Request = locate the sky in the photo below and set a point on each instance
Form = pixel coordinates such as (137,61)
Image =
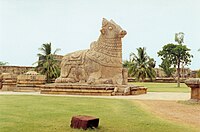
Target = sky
(72,25)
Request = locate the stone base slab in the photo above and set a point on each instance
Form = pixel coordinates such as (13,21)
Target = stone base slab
(86,89)
(194,84)
(8,87)
(26,89)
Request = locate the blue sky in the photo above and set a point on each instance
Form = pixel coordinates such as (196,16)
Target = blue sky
(73,24)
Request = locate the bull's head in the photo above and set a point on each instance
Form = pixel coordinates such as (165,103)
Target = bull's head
(111,30)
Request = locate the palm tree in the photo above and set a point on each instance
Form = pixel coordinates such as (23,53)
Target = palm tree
(3,63)
(47,64)
(167,67)
(141,65)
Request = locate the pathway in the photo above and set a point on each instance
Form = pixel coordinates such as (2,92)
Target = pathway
(148,96)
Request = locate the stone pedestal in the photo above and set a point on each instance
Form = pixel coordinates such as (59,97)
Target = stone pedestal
(87,89)
(30,81)
(84,122)
(194,84)
(97,70)
(8,81)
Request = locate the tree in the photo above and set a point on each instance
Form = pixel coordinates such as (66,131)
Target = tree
(3,63)
(167,67)
(177,54)
(141,65)
(47,64)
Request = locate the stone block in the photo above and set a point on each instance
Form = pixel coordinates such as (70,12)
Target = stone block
(29,81)
(8,81)
(84,122)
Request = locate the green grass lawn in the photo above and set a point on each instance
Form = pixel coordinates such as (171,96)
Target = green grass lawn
(163,87)
(23,113)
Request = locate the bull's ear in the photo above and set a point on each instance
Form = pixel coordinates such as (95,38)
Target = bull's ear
(102,31)
(104,22)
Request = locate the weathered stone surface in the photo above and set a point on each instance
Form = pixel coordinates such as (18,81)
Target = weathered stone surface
(30,81)
(87,89)
(101,64)
(84,122)
(77,89)
(8,81)
(194,84)
(15,69)
(138,90)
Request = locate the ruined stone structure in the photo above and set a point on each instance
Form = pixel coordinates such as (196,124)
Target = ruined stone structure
(30,81)
(15,69)
(184,72)
(98,70)
(10,76)
(101,64)
(194,84)
(8,81)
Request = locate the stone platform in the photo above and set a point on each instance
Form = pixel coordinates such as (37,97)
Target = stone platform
(8,81)
(27,89)
(29,82)
(194,84)
(86,89)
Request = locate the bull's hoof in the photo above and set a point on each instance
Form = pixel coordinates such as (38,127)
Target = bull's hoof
(91,81)
(68,80)
(108,81)
(65,80)
(58,80)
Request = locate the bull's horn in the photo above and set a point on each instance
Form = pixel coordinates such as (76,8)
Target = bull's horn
(104,22)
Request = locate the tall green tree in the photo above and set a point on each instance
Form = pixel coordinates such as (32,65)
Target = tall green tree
(3,63)
(177,54)
(47,64)
(140,65)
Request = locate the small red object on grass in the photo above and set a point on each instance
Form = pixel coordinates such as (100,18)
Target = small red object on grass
(84,122)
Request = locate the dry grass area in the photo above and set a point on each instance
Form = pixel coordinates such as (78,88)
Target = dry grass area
(180,112)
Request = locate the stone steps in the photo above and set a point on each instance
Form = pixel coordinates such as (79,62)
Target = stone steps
(27,89)
(77,89)
(85,89)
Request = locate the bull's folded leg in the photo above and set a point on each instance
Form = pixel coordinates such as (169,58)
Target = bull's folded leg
(68,80)
(94,77)
(65,80)
(58,80)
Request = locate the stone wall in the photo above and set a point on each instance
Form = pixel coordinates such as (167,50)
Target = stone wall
(185,73)
(15,69)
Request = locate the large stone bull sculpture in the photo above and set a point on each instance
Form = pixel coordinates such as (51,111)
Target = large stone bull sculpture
(101,64)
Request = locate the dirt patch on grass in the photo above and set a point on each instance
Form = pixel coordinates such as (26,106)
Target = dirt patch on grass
(174,111)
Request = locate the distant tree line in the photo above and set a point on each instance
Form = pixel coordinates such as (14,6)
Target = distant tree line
(3,63)
(173,56)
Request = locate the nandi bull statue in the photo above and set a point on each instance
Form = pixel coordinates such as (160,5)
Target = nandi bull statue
(101,64)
